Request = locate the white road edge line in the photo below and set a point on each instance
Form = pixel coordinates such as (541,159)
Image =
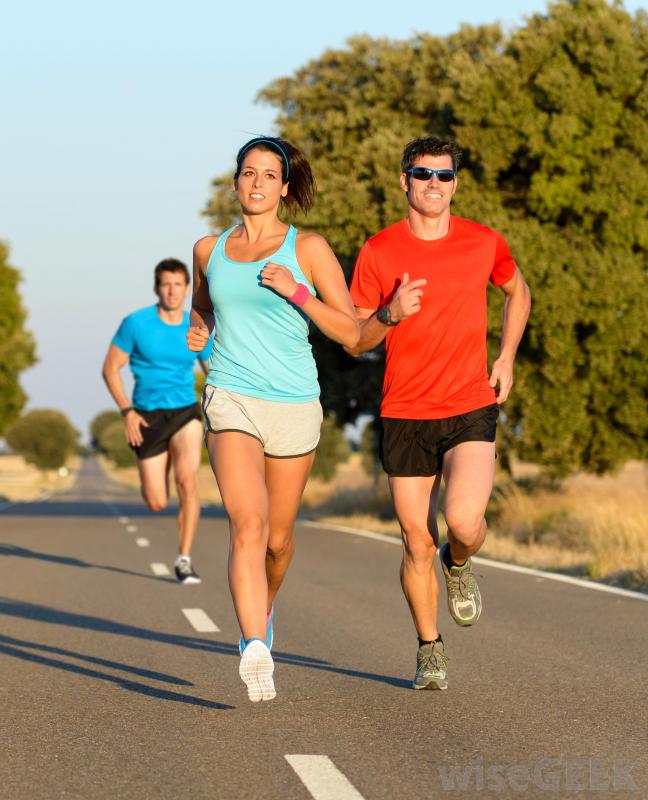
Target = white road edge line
(160,569)
(200,621)
(142,542)
(322,778)
(487,562)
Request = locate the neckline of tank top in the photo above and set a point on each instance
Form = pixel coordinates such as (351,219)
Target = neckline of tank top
(258,261)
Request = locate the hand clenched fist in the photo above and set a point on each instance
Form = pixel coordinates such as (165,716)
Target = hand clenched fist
(197,338)
(407,300)
(279,278)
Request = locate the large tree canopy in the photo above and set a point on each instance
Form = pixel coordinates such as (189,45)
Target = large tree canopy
(553,121)
(16,344)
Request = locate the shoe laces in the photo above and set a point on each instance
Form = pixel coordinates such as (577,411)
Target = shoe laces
(462,581)
(437,659)
(466,583)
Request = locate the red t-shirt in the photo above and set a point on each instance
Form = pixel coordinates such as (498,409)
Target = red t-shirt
(436,359)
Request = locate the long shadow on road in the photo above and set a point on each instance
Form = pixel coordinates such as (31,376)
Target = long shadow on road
(12,550)
(92,508)
(53,616)
(130,685)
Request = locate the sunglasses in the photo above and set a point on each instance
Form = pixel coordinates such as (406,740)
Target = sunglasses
(425,173)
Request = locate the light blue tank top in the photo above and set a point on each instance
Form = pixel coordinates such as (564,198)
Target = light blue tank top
(261,346)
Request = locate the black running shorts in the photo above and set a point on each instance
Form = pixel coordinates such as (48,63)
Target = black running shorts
(411,448)
(163,424)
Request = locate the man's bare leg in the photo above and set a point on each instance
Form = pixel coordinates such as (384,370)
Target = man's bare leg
(415,502)
(184,450)
(468,472)
(154,473)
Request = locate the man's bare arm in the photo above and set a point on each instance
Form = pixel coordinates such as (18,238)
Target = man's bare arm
(115,361)
(405,302)
(517,305)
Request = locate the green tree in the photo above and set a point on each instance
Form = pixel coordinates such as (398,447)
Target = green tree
(553,121)
(102,421)
(112,442)
(43,437)
(17,350)
(556,128)
(333,449)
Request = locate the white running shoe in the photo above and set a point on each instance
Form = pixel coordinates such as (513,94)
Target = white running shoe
(256,670)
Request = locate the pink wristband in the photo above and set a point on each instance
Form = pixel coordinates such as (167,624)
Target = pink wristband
(301,295)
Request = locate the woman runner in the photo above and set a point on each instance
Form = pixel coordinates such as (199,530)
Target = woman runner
(258,284)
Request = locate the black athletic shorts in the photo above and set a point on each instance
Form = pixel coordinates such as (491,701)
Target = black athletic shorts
(412,448)
(163,424)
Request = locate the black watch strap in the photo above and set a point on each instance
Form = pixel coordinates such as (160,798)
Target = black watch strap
(384,316)
(124,411)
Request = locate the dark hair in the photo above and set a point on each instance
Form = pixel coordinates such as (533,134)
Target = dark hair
(429,146)
(170,265)
(295,170)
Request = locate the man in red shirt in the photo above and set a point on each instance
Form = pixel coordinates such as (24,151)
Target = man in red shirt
(421,284)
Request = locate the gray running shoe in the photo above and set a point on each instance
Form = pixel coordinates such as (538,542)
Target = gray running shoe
(431,663)
(464,597)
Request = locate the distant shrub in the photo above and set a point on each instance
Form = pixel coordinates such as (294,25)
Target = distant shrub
(99,424)
(43,437)
(369,449)
(113,443)
(333,449)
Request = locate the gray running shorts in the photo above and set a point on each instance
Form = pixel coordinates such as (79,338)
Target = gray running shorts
(285,430)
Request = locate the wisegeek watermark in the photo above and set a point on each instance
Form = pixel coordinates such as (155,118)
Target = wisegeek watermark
(550,774)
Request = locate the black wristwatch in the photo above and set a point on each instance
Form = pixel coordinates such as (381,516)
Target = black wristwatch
(124,411)
(384,316)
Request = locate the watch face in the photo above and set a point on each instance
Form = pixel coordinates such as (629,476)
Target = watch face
(384,316)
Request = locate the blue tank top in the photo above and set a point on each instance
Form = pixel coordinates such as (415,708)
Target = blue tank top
(261,346)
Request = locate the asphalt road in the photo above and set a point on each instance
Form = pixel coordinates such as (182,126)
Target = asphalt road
(109,691)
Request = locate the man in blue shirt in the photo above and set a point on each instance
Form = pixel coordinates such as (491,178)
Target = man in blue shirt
(163,424)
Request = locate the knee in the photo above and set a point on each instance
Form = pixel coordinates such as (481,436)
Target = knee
(186,485)
(419,548)
(281,549)
(464,526)
(248,530)
(155,502)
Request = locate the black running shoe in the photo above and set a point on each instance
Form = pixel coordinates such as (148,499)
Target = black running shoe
(185,573)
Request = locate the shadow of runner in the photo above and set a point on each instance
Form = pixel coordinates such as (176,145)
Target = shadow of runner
(98,508)
(102,662)
(11,550)
(132,686)
(54,616)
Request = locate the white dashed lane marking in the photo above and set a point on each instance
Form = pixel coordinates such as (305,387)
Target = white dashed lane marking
(124,520)
(160,569)
(322,778)
(141,542)
(200,621)
(131,529)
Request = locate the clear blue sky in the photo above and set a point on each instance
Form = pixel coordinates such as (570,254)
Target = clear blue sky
(116,116)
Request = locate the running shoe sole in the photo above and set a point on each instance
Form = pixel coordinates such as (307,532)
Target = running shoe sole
(256,670)
(433,683)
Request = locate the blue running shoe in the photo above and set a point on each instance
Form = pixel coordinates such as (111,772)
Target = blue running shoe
(256,670)
(269,633)
(270,628)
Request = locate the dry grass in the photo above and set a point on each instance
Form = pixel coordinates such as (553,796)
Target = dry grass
(20,481)
(588,526)
(129,476)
